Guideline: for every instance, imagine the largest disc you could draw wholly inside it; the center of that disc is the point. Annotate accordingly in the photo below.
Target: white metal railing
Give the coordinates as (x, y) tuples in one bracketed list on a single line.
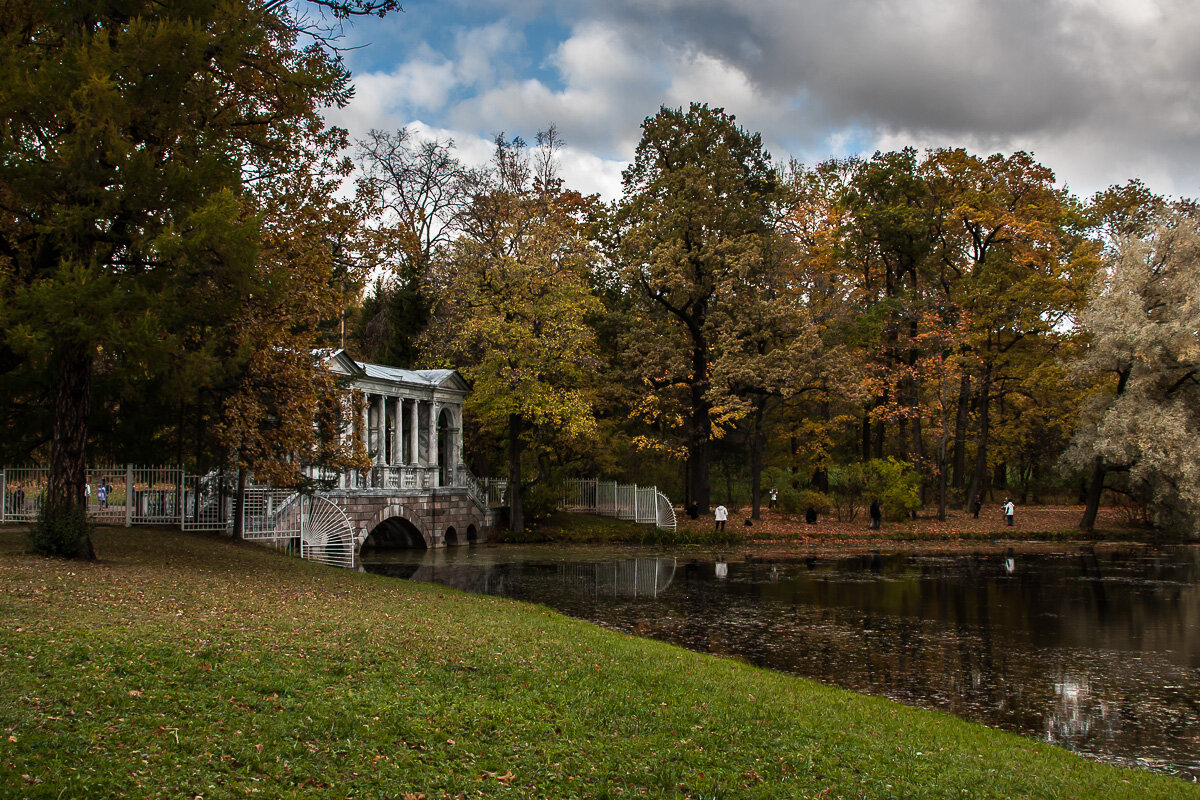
[(126, 495), (643, 504)]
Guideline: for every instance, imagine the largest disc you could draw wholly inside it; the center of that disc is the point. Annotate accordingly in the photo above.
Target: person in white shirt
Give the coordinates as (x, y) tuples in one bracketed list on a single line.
[(1009, 510), (720, 515)]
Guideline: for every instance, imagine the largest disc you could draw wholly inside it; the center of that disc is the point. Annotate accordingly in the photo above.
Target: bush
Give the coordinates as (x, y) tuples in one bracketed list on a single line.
[(62, 531), (797, 501), (893, 483), (896, 485)]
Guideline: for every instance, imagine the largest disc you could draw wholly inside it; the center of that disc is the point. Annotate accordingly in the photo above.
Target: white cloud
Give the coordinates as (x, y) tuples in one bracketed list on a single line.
[(1099, 90)]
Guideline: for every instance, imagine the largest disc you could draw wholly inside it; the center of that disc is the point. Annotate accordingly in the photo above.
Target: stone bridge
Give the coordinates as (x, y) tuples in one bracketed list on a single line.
[(444, 516)]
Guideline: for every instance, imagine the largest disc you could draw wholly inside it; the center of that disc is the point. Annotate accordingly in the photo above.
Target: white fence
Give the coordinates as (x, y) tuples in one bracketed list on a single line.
[(128, 495), (311, 526), (644, 504)]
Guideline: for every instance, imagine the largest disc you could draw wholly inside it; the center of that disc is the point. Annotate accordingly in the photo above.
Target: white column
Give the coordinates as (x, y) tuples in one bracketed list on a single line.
[(435, 411), (381, 430), (397, 440), (415, 433)]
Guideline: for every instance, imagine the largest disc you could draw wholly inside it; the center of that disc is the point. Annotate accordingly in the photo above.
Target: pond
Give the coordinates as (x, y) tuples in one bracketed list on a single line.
[(1096, 649)]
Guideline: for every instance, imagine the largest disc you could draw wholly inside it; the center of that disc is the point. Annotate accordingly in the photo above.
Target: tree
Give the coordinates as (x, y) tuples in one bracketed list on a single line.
[(1143, 317), (513, 309), (419, 193), (1012, 256), (132, 133), (691, 230)]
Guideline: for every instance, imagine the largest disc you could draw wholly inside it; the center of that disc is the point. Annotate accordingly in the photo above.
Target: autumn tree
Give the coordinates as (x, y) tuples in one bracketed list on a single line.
[(1013, 256), (131, 129), (691, 235), (512, 312), (1143, 316)]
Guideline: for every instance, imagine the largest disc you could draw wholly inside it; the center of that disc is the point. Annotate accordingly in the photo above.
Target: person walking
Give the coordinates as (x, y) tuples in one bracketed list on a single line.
[(774, 498), (1009, 510), (102, 494), (720, 514), (976, 504), (876, 515)]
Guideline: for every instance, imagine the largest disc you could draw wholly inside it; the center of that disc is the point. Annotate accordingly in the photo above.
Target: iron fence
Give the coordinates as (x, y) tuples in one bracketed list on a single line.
[(642, 504)]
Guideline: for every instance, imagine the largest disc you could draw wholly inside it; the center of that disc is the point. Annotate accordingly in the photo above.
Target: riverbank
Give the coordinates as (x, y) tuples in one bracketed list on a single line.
[(185, 665), (1058, 524)]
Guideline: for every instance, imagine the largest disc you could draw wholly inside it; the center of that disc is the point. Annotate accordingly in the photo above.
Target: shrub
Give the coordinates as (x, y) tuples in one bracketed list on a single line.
[(797, 501), (62, 531), (896, 485)]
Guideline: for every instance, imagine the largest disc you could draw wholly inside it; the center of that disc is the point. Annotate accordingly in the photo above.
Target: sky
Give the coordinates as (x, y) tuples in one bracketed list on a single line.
[(1099, 91)]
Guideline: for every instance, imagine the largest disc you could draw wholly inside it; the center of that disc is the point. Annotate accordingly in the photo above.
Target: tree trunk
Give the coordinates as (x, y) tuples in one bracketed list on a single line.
[(698, 452), (1095, 490), (1099, 469), (979, 476), (756, 450), (866, 436), (960, 434), (516, 517), (941, 483), (68, 445)]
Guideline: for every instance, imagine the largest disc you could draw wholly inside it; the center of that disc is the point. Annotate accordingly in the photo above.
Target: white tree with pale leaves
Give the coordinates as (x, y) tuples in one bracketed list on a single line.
[(1144, 320)]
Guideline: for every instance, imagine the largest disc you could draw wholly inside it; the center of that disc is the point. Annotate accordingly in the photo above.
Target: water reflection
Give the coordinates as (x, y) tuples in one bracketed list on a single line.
[(1096, 650)]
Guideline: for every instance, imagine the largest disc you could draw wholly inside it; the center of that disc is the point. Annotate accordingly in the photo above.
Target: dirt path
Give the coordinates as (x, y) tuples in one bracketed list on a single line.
[(1029, 522)]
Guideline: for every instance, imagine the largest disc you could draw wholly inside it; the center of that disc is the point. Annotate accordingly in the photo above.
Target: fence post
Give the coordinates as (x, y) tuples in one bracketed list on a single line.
[(179, 504), (3, 493), (129, 495)]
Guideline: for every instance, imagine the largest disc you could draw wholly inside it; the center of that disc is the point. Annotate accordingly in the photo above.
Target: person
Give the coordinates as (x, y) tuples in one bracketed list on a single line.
[(693, 510), (774, 498), (102, 494), (876, 515), (720, 515), (1009, 510), (810, 516), (976, 504)]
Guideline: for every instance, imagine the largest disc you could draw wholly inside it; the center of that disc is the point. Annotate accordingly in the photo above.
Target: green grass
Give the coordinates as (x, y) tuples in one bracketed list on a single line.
[(184, 665)]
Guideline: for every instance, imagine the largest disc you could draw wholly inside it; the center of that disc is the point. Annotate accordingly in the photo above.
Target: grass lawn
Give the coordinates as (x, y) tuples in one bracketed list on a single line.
[(183, 666)]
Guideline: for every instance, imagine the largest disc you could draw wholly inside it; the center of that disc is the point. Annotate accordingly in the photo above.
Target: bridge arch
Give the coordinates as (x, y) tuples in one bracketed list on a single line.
[(395, 533)]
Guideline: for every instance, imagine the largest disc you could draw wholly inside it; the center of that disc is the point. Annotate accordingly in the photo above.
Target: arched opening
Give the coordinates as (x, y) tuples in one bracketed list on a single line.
[(394, 534), (445, 440), (472, 534), (451, 536)]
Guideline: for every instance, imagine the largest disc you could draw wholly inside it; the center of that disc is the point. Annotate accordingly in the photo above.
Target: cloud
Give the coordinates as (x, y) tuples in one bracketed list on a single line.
[(1099, 90)]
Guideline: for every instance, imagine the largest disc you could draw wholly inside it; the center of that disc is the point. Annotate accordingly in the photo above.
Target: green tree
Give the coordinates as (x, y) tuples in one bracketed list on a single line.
[(691, 228), (133, 134), (513, 313)]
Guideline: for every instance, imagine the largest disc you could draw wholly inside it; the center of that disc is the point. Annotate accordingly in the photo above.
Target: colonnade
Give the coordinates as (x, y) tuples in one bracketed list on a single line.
[(403, 432)]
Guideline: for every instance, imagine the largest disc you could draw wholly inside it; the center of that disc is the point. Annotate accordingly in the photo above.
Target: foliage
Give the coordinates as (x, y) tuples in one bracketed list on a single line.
[(691, 236), (1143, 317), (795, 501), (150, 156), (513, 312), (896, 485), (418, 195), (62, 531)]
